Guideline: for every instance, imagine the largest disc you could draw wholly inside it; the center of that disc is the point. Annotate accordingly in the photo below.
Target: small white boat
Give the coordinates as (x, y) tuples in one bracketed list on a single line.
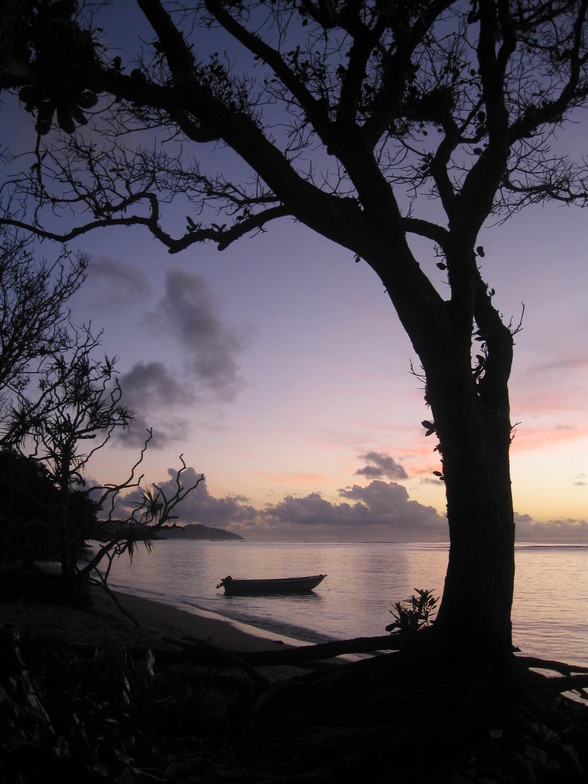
[(279, 585)]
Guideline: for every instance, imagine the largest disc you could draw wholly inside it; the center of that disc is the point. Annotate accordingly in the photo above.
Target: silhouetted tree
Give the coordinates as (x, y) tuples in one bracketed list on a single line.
[(349, 117), (33, 309), (52, 436), (31, 525), (58, 407), (30, 503), (68, 419)]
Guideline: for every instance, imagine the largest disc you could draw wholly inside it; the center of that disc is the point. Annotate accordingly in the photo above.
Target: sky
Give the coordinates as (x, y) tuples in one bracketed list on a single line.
[(278, 368)]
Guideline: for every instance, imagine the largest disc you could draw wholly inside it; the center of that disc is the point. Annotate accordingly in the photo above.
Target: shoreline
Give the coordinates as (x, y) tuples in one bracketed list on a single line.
[(159, 624), (198, 623), (261, 634)]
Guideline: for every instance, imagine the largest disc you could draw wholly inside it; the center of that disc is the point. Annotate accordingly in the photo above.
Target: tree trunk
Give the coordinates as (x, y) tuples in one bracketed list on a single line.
[(474, 620), (470, 407)]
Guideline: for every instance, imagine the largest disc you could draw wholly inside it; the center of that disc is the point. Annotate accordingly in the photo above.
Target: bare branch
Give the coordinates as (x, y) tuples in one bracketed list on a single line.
[(33, 311), (150, 515)]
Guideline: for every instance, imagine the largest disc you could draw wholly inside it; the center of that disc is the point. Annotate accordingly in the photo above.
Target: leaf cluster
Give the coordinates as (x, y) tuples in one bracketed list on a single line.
[(48, 39), (413, 613)]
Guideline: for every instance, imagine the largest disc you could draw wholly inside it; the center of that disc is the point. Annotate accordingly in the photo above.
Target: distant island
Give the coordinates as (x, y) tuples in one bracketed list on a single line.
[(197, 531)]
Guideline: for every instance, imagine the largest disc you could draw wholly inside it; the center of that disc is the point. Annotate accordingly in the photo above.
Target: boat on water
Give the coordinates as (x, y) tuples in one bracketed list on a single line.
[(270, 586)]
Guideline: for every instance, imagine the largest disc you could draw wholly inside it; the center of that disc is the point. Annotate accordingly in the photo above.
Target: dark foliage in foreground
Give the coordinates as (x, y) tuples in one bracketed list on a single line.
[(198, 714), (32, 511)]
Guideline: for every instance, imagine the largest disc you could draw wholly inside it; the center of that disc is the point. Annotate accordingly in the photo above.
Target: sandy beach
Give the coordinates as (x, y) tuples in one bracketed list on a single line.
[(158, 624)]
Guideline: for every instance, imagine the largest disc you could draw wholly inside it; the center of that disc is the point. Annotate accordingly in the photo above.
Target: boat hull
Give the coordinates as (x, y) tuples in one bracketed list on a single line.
[(277, 586)]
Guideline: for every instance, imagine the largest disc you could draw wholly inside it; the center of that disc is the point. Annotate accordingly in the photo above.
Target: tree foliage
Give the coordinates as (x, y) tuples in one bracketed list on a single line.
[(340, 101), (30, 520), (74, 413), (413, 613), (33, 308)]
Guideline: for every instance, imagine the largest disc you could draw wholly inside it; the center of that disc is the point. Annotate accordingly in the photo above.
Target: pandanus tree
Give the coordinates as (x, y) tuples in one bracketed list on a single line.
[(371, 123), (47, 439)]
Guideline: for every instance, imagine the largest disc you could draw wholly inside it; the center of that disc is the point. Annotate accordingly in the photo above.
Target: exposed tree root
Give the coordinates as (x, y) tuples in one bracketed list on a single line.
[(98, 715), (513, 728)]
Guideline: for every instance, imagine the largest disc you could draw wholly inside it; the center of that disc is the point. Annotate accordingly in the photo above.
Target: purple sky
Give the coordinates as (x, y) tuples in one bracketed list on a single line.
[(279, 369)]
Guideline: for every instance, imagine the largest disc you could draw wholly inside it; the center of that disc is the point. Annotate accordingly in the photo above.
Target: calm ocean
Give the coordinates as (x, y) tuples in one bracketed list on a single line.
[(550, 613)]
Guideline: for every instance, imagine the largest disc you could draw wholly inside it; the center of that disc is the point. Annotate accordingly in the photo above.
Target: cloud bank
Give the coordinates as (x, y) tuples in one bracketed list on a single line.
[(380, 511), (200, 506), (566, 531)]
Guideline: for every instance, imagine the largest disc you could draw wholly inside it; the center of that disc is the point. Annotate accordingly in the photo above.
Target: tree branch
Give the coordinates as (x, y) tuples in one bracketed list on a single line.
[(572, 92), (399, 69), (314, 109), (424, 228)]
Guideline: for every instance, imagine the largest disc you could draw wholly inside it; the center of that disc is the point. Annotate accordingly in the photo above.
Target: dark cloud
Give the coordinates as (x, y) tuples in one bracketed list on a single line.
[(113, 283), (380, 465), (379, 511), (206, 347), (200, 506), (151, 392), (152, 385), (212, 345), (169, 431)]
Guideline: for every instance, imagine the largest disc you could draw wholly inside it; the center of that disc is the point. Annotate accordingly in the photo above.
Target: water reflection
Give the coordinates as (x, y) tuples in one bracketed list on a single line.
[(550, 613)]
